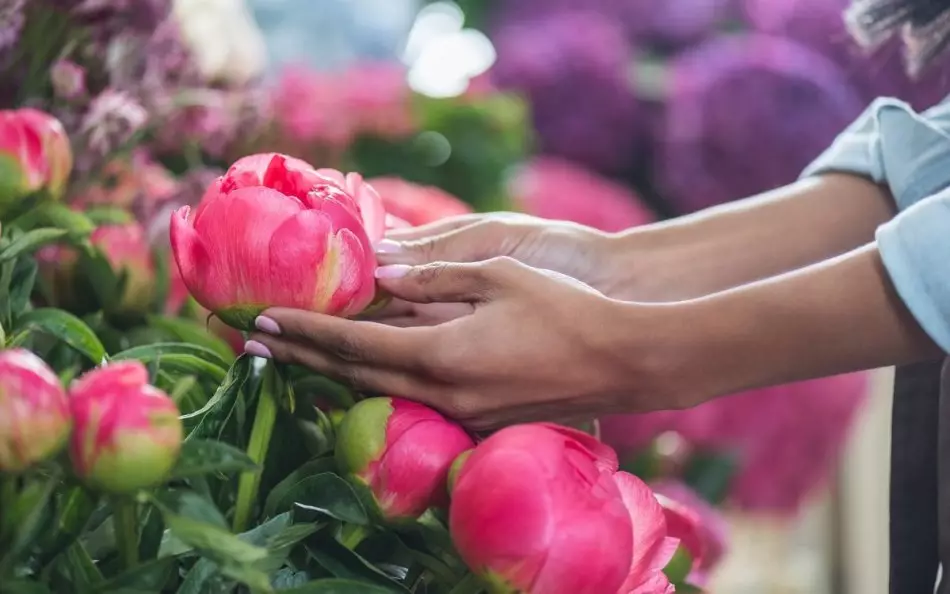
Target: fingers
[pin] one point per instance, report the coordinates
(444, 282)
(454, 240)
(354, 342)
(433, 228)
(359, 376)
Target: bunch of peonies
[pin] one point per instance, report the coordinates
(123, 434)
(535, 508)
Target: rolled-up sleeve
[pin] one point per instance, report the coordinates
(915, 248)
(856, 150)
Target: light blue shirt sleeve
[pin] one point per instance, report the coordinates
(910, 153)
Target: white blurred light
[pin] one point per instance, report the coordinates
(441, 55)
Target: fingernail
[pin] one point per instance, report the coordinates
(388, 246)
(252, 347)
(265, 324)
(393, 271)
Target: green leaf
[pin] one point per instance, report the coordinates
(286, 579)
(150, 539)
(222, 403)
(56, 214)
(31, 241)
(79, 568)
(109, 215)
(199, 456)
(26, 516)
(279, 536)
(193, 332)
(21, 285)
(66, 327)
(343, 563)
(24, 587)
(74, 507)
(282, 489)
(337, 586)
(326, 494)
(148, 577)
(165, 350)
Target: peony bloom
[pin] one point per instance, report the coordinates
(34, 154)
(553, 188)
(34, 413)
(401, 452)
(786, 439)
(700, 528)
(273, 231)
(176, 301)
(746, 114)
(127, 433)
(416, 204)
(542, 509)
(129, 254)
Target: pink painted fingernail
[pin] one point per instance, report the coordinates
(268, 325)
(388, 246)
(252, 347)
(393, 271)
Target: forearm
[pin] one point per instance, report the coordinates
(745, 241)
(834, 317)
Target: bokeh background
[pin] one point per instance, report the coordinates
(615, 113)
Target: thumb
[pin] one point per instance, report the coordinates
(445, 282)
(465, 242)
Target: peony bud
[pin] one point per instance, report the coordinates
(273, 231)
(34, 412)
(401, 452)
(34, 155)
(68, 78)
(128, 252)
(416, 204)
(542, 509)
(128, 434)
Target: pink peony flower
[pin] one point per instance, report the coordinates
(273, 231)
(553, 188)
(540, 508)
(34, 413)
(700, 528)
(34, 154)
(127, 433)
(129, 254)
(401, 452)
(416, 204)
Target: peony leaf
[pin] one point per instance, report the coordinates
(199, 456)
(326, 494)
(336, 586)
(181, 329)
(31, 241)
(313, 467)
(221, 405)
(148, 577)
(73, 508)
(55, 214)
(67, 328)
(343, 563)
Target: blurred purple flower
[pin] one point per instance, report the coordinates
(68, 78)
(112, 120)
(572, 66)
(109, 17)
(666, 24)
(747, 114)
(190, 188)
(11, 23)
(819, 25)
(787, 438)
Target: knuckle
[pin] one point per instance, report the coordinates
(430, 273)
(348, 349)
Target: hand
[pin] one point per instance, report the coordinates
(535, 345)
(574, 250)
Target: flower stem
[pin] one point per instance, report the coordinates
(470, 584)
(8, 497)
(353, 534)
(261, 432)
(126, 525)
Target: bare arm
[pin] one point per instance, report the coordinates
(748, 240)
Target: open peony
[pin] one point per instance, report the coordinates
(274, 231)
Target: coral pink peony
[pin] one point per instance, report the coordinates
(273, 231)
(34, 154)
(401, 452)
(416, 204)
(34, 413)
(127, 433)
(129, 254)
(542, 509)
(553, 188)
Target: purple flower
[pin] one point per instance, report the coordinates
(11, 23)
(68, 78)
(819, 25)
(572, 66)
(745, 115)
(111, 122)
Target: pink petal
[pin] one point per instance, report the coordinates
(652, 550)
(371, 206)
(301, 262)
(605, 455)
(191, 257)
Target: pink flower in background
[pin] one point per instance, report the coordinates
(541, 509)
(127, 433)
(553, 188)
(34, 412)
(401, 451)
(310, 106)
(68, 78)
(787, 438)
(274, 232)
(700, 528)
(129, 253)
(34, 153)
(417, 204)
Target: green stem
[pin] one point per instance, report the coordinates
(126, 526)
(8, 497)
(261, 432)
(353, 534)
(470, 584)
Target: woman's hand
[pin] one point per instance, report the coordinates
(574, 250)
(535, 345)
